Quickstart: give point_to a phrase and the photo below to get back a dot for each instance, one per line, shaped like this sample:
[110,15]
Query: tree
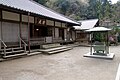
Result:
[91,12]
[43,2]
[99,10]
[116,12]
[107,10]
[85,9]
[68,8]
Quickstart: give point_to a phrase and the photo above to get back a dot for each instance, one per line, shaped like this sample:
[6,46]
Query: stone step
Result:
[54,49]
[61,50]
[33,53]
[15,55]
[49,46]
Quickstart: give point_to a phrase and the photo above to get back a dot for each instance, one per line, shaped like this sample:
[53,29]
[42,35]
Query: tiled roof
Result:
[96,29]
[86,24]
[35,8]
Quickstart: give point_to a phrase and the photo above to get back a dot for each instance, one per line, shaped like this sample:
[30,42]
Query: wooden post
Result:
[20,26]
[28,32]
[75,35]
[0,33]
[91,43]
[54,29]
[33,29]
[107,37]
[1,28]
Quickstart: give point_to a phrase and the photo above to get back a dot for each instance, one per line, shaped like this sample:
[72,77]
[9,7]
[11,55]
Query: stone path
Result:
[69,65]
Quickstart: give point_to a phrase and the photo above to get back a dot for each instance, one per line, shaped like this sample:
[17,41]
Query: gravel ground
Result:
[69,65]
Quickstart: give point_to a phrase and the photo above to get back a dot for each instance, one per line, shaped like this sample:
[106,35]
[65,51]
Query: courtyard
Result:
[69,65]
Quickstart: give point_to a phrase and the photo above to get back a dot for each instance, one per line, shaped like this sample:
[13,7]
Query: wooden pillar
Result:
[64,33]
[71,34]
[107,37]
[1,36]
[28,32]
[0,33]
[75,35]
[91,36]
[20,25]
[54,29]
[33,28]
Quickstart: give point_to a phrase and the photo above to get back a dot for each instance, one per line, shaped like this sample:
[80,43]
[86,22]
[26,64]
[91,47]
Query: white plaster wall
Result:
[73,35]
[50,22]
[56,32]
[10,32]
[24,31]
[68,35]
[10,16]
[25,19]
[65,33]
[53,30]
[63,25]
[58,24]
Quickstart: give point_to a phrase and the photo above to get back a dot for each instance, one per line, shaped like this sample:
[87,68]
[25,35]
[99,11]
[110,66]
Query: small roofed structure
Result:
[86,24]
[98,29]
[81,35]
[99,49]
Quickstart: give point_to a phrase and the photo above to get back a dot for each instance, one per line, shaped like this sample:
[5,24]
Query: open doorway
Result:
[61,33]
[40,31]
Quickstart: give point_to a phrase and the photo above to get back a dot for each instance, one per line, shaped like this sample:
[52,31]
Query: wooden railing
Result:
[57,40]
[25,44]
[37,41]
[5,46]
[44,40]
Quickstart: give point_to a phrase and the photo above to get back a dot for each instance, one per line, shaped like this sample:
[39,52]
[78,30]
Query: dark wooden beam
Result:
[28,32]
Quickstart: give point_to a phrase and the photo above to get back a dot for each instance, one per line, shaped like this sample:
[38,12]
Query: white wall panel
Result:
[65,33]
[10,16]
[63,25]
[50,22]
[53,32]
[58,24]
[25,19]
[56,32]
[24,31]
[73,35]
[10,32]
